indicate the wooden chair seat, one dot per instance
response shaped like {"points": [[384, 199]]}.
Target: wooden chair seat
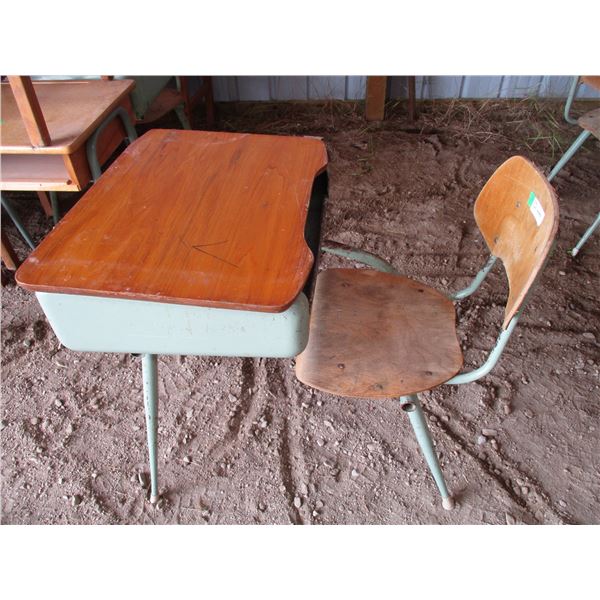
{"points": [[590, 121], [378, 335]]}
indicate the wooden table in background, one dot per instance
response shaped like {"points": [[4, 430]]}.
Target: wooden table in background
{"points": [[71, 111], [376, 96], [43, 131]]}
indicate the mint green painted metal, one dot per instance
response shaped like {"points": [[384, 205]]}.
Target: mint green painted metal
{"points": [[146, 90], [568, 155], [359, 255], [150, 381], [570, 98], [55, 209], [586, 235], [492, 359], [90, 147], [477, 281], [97, 324], [8, 207], [179, 110], [412, 407]]}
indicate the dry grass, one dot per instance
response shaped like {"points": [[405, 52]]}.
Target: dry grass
{"points": [[533, 123]]}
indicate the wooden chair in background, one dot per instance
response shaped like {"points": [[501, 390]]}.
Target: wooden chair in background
{"points": [[155, 96], [376, 334], [590, 123]]}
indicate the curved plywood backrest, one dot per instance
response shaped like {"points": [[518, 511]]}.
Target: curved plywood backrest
{"points": [[592, 81], [517, 214]]}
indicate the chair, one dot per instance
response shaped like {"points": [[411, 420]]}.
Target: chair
{"points": [[155, 96], [377, 334], [590, 123]]}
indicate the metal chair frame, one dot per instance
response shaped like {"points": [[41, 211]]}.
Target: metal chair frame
{"points": [[568, 155], [575, 83], [410, 403]]}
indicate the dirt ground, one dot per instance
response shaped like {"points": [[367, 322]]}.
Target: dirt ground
{"points": [[242, 441]]}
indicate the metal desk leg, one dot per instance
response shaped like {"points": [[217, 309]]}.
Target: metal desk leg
{"points": [[150, 379], [17, 221], [412, 406]]}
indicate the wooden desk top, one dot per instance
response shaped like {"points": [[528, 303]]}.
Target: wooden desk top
{"points": [[189, 217], [71, 109]]}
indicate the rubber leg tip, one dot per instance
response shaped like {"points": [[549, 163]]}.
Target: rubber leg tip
{"points": [[448, 503], [574, 251], [154, 498]]}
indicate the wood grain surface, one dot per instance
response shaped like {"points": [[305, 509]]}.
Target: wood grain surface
{"points": [[36, 172], [9, 256], [375, 98], [509, 227], [378, 335], [29, 110], [189, 217], [71, 110]]}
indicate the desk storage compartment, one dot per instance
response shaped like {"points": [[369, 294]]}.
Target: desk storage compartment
{"points": [[99, 324]]}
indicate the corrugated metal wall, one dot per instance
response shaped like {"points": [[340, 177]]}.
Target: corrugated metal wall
{"points": [[429, 87]]}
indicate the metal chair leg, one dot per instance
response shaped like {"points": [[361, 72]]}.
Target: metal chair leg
{"points": [[55, 210], [180, 110], [17, 221], [150, 380], [570, 98], [586, 235], [566, 157], [412, 406]]}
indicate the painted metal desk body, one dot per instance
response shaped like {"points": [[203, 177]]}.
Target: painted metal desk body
{"points": [[190, 243]]}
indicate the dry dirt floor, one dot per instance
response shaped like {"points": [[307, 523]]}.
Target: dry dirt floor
{"points": [[242, 441]]}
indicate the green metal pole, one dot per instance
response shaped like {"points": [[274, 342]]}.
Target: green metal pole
{"points": [[586, 235], [412, 407], [150, 379], [476, 282], [566, 157], [55, 210], [361, 256], [17, 221], [182, 117], [570, 98]]}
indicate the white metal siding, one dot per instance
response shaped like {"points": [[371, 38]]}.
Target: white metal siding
{"points": [[256, 88]]}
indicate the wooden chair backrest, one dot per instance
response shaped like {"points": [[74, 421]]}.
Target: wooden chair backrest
{"points": [[517, 214], [592, 81]]}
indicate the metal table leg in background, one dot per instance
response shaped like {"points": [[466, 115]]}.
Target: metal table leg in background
{"points": [[150, 379], [54, 204], [17, 221]]}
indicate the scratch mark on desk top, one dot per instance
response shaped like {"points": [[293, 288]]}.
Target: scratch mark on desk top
{"points": [[200, 247]]}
